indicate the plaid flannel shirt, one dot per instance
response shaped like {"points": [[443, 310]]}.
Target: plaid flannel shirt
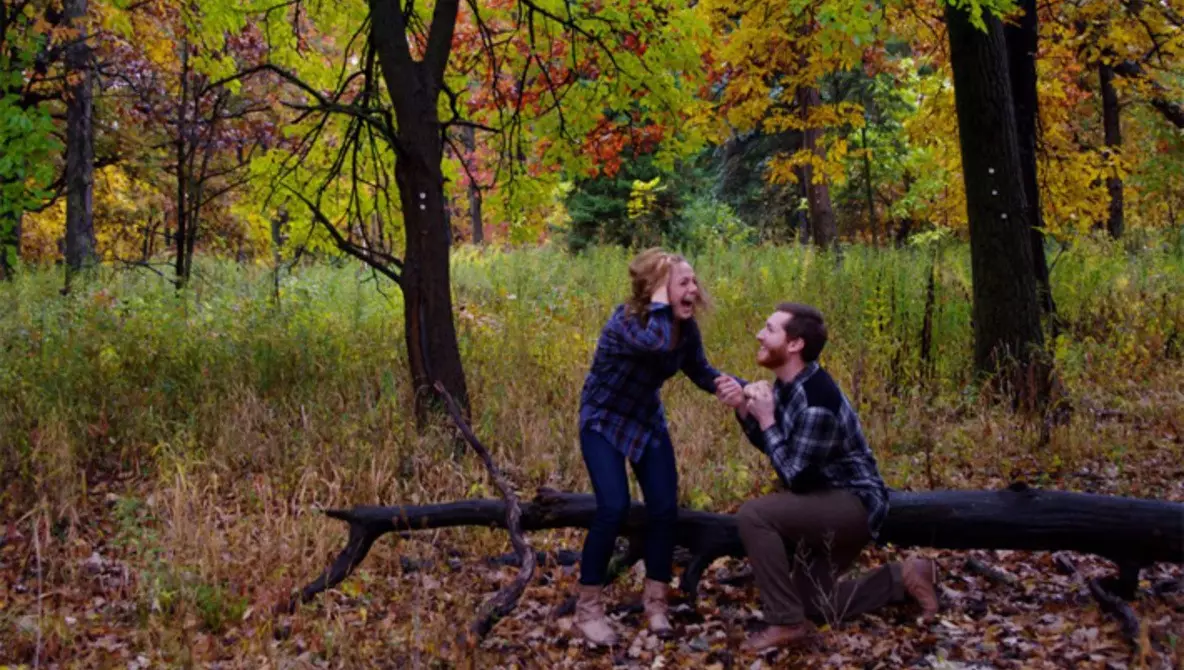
{"points": [[816, 442], [620, 398]]}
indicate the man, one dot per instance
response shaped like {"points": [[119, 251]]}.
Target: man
{"points": [[800, 539]]}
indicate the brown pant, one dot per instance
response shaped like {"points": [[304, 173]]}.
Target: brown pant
{"points": [[799, 545]]}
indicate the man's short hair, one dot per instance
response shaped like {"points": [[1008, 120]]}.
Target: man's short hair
{"points": [[808, 324]]}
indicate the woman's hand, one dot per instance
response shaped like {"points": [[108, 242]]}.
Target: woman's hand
{"points": [[662, 292], [729, 392], [760, 403]]}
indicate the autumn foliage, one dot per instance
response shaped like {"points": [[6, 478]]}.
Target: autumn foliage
{"points": [[557, 105], [168, 423]]}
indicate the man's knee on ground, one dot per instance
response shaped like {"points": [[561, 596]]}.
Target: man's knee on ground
{"points": [[750, 516]]}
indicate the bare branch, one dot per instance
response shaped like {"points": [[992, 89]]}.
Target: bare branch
{"points": [[345, 245], [1172, 111], [504, 601]]}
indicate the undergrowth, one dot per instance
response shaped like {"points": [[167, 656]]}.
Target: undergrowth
{"points": [[211, 423]]}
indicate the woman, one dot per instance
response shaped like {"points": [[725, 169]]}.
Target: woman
{"points": [[646, 341]]}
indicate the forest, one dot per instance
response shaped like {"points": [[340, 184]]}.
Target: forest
{"points": [[268, 266]]}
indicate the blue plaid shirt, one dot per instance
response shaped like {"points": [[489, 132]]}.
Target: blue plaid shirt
{"points": [[620, 398], [816, 442]]}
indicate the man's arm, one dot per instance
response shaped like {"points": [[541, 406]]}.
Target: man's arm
{"points": [[815, 432], [752, 429]]}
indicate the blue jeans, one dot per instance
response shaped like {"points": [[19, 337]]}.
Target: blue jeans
{"points": [[658, 477]]}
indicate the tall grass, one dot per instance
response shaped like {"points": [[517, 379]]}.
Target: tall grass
{"points": [[128, 375]]}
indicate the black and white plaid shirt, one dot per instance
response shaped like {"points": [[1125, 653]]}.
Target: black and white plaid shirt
{"points": [[816, 442]]}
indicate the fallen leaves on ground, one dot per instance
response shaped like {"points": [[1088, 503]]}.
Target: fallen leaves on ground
{"points": [[110, 594]]}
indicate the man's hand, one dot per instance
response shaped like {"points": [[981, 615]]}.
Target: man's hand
{"points": [[760, 403], [729, 392]]}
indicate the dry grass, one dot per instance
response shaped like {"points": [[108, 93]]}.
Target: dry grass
{"points": [[170, 453]]}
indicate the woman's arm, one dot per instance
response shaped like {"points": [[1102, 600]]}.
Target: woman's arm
{"points": [[656, 335], [696, 366]]}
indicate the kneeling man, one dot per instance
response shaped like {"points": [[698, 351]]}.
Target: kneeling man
{"points": [[801, 539]]}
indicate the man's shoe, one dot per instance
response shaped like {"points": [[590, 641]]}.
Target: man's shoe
{"points": [[590, 617], [654, 600], [781, 636], [920, 578]]}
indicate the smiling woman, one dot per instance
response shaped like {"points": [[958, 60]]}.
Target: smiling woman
{"points": [[645, 342], [664, 277]]}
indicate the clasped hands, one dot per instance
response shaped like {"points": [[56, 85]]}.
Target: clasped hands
{"points": [[755, 399]]}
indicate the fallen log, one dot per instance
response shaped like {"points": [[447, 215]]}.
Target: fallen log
{"points": [[1132, 532]]}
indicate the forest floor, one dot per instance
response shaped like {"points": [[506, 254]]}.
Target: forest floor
{"points": [[103, 600]]}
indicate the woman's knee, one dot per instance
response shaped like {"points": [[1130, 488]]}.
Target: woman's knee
{"points": [[613, 510], [662, 508]]}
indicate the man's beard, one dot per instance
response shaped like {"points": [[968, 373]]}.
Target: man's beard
{"points": [[772, 358]]}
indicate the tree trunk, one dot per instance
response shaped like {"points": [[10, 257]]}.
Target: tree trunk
{"points": [[197, 179], [1112, 131], [80, 147], [1006, 309], [181, 206], [470, 143], [823, 229], [279, 224], [1129, 531], [1022, 42], [870, 189], [427, 299], [414, 87], [148, 244], [905, 227], [801, 217], [10, 243]]}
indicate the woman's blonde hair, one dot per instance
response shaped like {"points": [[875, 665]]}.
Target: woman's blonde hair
{"points": [[647, 272]]}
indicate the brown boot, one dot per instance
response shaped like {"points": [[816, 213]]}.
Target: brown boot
{"points": [[781, 636], [590, 618], [920, 577], [654, 599]]}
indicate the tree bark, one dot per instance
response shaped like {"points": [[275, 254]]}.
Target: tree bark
{"points": [[414, 87], [10, 244], [823, 229], [1022, 42], [80, 149], [181, 205], [1112, 131], [279, 225], [1007, 326], [470, 143], [869, 191], [905, 227], [1129, 531]]}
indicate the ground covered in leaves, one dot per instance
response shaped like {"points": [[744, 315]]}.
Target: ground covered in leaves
{"points": [[101, 603]]}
